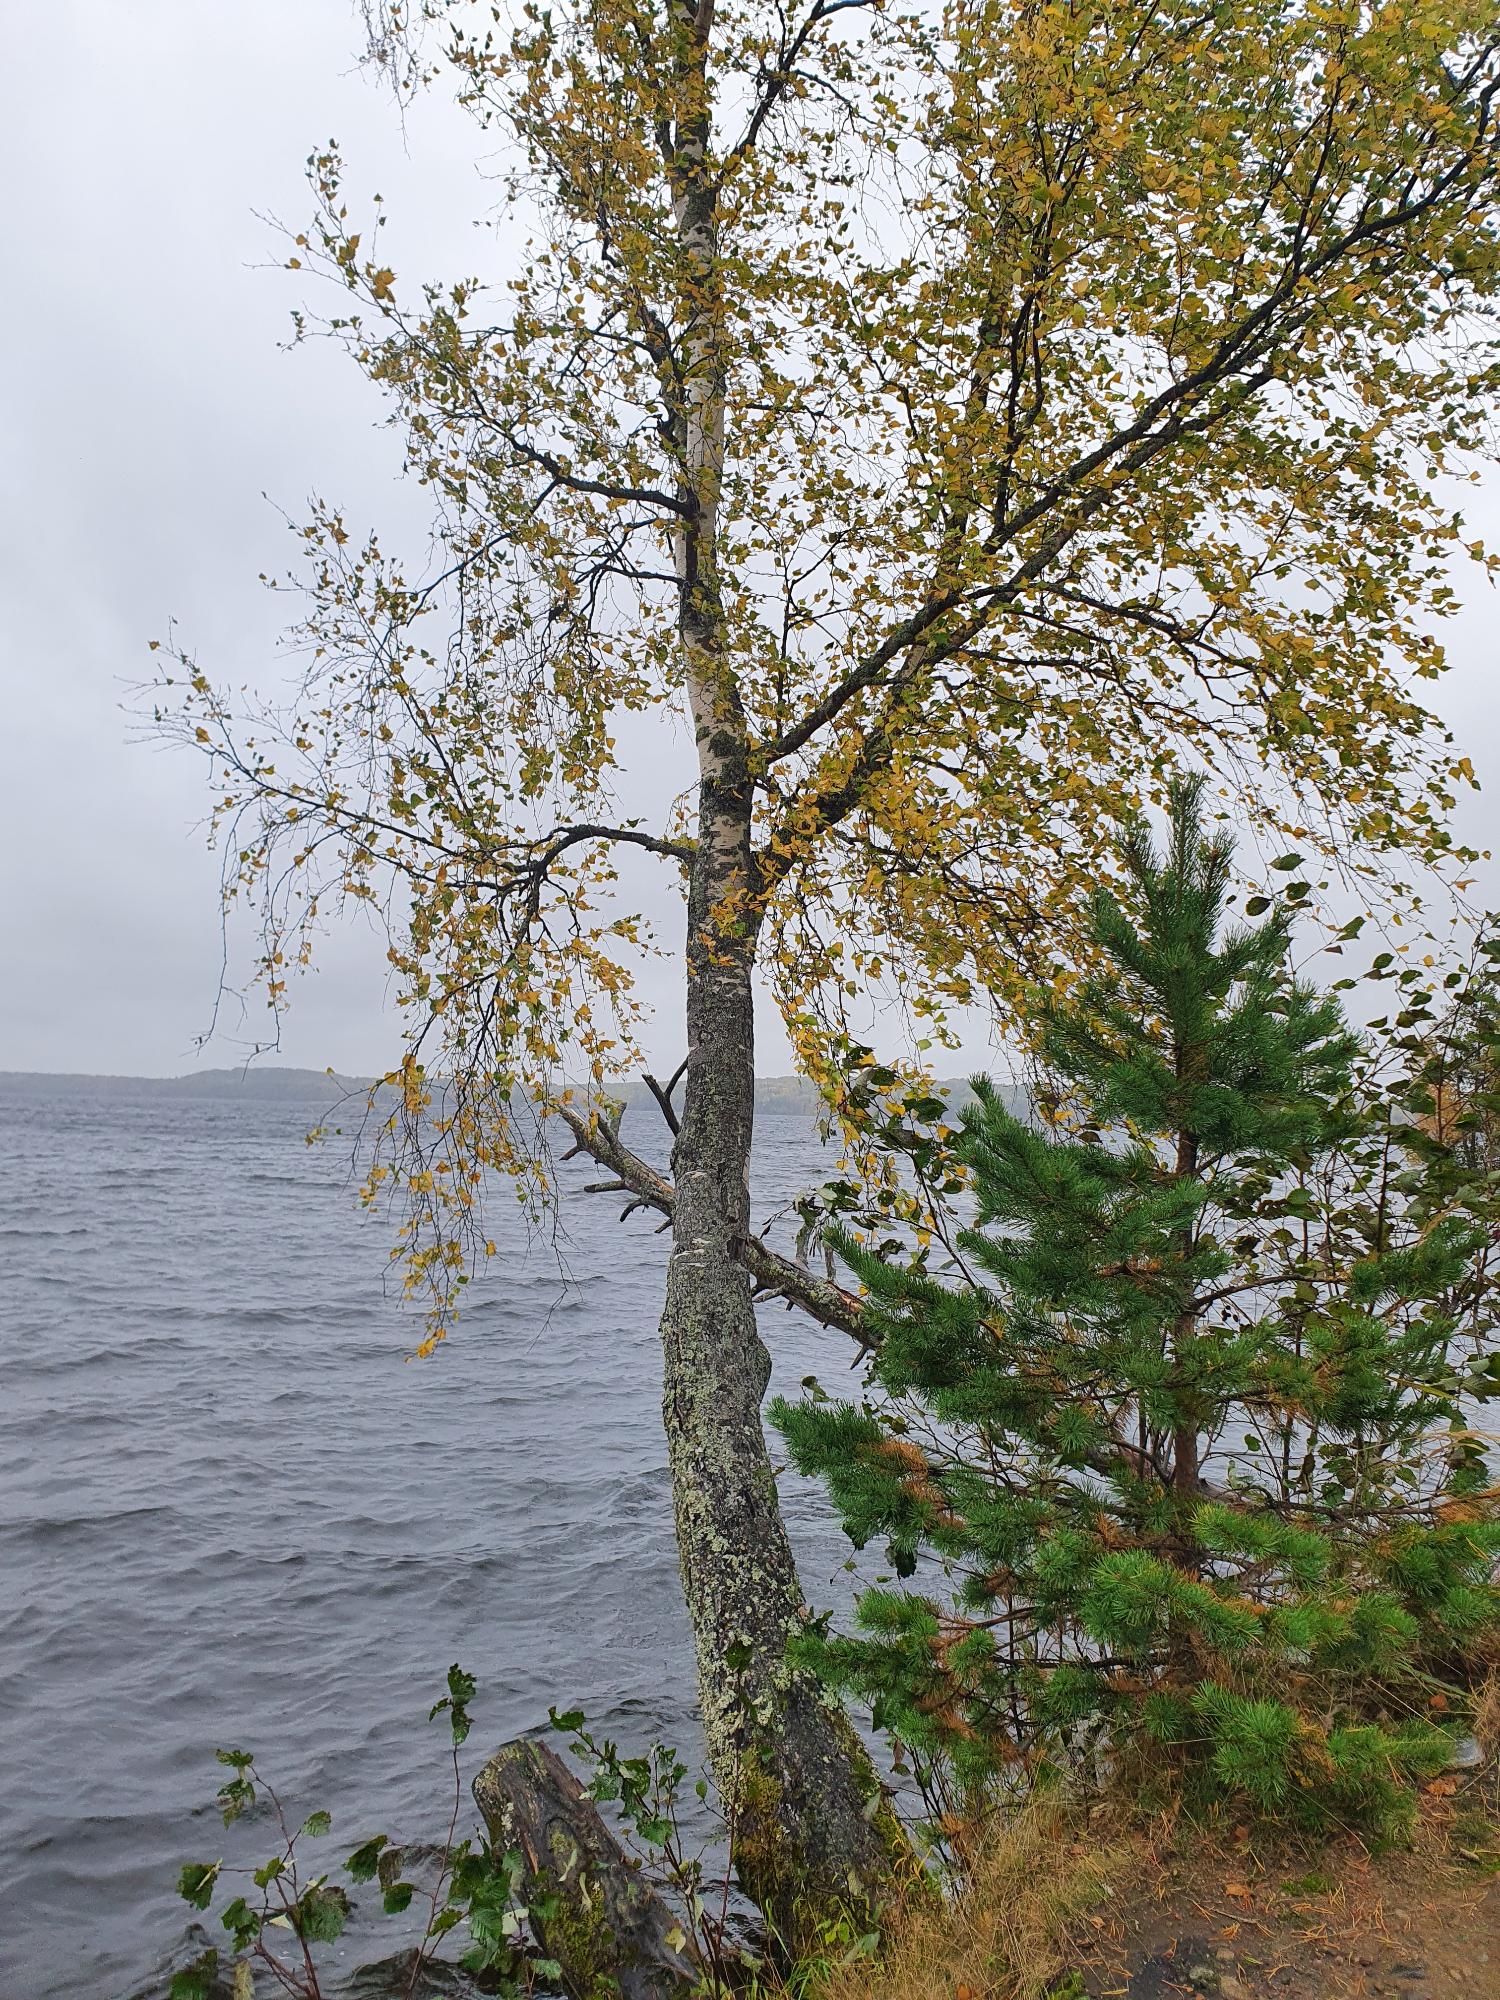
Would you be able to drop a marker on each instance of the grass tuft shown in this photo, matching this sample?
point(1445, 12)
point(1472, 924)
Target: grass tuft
point(1487, 1715)
point(1006, 1937)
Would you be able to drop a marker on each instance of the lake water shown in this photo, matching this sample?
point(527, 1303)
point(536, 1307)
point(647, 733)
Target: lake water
point(231, 1511)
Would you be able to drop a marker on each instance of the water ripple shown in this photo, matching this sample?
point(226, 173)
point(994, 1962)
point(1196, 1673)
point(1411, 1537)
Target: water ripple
point(233, 1510)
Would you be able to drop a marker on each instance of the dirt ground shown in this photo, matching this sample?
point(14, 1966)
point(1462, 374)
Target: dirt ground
point(1235, 1923)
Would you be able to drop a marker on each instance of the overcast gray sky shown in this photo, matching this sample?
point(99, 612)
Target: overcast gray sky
point(149, 410)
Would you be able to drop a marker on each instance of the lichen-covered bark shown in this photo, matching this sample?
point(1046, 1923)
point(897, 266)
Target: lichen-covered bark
point(809, 1835)
point(800, 1789)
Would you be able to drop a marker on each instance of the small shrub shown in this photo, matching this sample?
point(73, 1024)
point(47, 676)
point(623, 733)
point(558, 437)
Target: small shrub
point(288, 1906)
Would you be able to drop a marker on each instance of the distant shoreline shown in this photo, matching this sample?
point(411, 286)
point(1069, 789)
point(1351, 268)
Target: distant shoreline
point(264, 1080)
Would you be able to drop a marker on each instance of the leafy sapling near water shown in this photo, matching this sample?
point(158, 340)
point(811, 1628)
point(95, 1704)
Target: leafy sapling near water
point(646, 1793)
point(289, 1907)
point(1187, 1432)
point(284, 1896)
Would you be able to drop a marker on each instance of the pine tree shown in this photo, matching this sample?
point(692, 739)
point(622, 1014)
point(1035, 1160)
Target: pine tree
point(1186, 1433)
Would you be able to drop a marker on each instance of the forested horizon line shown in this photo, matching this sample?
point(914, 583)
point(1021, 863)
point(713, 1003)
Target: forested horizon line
point(786, 1092)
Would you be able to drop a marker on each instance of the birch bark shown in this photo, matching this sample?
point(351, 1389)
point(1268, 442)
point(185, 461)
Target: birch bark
point(809, 1832)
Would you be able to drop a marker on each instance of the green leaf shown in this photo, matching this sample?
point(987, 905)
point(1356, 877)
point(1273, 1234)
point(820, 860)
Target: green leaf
point(322, 1913)
point(461, 1688)
point(1286, 862)
point(365, 1859)
point(243, 1922)
point(235, 1798)
point(570, 1719)
point(397, 1897)
point(238, 1760)
point(195, 1981)
point(1257, 906)
point(316, 1825)
point(195, 1884)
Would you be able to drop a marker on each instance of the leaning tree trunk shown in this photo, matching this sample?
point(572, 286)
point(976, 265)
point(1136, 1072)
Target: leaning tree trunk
point(811, 1832)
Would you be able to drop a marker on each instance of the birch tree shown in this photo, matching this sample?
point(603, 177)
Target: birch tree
point(961, 419)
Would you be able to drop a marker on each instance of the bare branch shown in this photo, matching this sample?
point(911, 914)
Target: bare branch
point(663, 1096)
point(830, 1304)
point(784, 74)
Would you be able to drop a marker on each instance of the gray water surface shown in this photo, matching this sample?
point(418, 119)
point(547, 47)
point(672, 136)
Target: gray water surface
point(232, 1511)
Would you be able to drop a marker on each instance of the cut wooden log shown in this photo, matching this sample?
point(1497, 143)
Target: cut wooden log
point(613, 1935)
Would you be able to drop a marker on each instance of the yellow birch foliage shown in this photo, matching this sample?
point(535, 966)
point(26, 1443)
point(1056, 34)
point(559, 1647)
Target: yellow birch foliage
point(1089, 380)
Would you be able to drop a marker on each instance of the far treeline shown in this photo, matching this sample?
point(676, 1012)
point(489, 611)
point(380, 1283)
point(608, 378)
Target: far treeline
point(900, 450)
point(260, 1078)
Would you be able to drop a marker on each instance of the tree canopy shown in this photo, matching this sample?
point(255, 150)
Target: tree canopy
point(1066, 392)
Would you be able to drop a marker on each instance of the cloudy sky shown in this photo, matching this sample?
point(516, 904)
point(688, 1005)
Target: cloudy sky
point(156, 428)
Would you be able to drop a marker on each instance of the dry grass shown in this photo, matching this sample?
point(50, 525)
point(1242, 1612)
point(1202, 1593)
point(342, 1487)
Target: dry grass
point(1035, 1881)
point(1487, 1715)
point(1055, 1896)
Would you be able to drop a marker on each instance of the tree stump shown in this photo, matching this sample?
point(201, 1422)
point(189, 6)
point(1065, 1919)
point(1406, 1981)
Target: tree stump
point(613, 1935)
